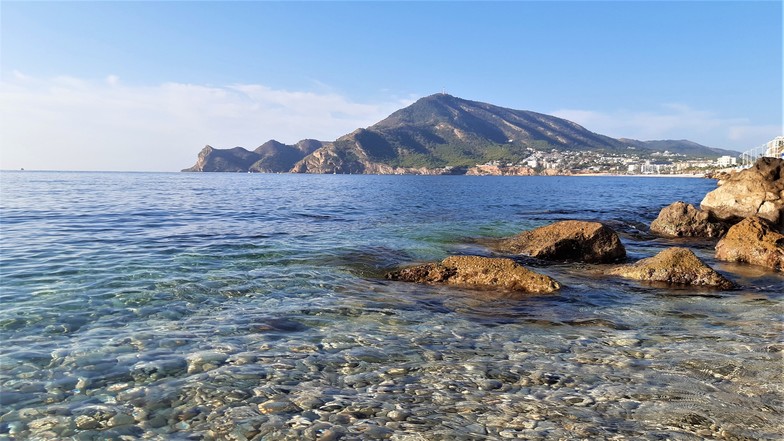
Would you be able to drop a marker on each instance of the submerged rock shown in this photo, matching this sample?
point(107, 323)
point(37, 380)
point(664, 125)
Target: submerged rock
point(754, 240)
point(568, 240)
point(680, 219)
point(758, 190)
point(674, 265)
point(478, 271)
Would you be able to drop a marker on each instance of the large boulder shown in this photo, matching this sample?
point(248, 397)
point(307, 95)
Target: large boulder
point(676, 266)
point(758, 190)
point(567, 240)
point(475, 271)
point(754, 240)
point(680, 219)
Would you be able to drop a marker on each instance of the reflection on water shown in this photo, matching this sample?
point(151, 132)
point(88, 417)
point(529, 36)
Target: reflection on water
point(199, 306)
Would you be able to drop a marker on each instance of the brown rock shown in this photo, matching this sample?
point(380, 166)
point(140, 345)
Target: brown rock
point(680, 219)
point(674, 265)
point(568, 240)
point(475, 271)
point(758, 190)
point(754, 240)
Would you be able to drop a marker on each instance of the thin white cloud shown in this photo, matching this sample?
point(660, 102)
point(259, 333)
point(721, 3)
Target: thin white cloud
point(675, 121)
point(68, 123)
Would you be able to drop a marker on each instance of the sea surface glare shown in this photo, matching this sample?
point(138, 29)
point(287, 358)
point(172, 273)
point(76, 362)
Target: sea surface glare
point(251, 306)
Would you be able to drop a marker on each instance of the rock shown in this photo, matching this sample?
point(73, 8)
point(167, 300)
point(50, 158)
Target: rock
point(758, 190)
point(754, 240)
point(568, 240)
point(281, 406)
point(680, 219)
point(674, 265)
point(478, 271)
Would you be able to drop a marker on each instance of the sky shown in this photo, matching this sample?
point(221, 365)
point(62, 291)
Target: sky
point(144, 85)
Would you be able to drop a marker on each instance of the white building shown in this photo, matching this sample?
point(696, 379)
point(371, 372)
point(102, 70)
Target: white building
point(775, 147)
point(727, 161)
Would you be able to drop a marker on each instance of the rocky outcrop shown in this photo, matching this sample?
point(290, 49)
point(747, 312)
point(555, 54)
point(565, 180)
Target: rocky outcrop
point(675, 266)
point(475, 271)
point(754, 240)
point(569, 241)
point(756, 191)
point(680, 219)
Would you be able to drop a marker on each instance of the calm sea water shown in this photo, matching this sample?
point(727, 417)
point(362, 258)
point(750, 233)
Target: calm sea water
point(250, 306)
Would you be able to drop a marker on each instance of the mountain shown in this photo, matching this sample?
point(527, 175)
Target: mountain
point(437, 134)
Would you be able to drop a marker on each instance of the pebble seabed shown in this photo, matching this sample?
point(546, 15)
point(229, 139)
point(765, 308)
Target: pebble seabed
point(428, 363)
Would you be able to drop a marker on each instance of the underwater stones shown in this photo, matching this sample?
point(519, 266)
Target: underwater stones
point(676, 266)
point(754, 240)
point(570, 240)
point(158, 368)
point(475, 271)
point(758, 190)
point(203, 361)
point(680, 219)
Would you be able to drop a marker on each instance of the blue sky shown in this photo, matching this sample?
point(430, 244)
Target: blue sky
point(145, 85)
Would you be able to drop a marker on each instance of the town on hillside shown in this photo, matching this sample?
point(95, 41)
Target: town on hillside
point(634, 163)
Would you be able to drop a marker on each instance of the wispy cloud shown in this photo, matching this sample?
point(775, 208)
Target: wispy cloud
point(675, 121)
point(73, 123)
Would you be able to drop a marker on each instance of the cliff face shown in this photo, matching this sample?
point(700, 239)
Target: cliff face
point(437, 134)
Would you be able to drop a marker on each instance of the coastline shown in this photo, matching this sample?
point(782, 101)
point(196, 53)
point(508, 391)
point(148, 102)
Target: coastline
point(673, 175)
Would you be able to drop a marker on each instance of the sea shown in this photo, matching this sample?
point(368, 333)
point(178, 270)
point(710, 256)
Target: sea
point(236, 306)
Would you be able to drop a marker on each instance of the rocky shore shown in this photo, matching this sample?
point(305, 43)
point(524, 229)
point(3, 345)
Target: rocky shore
point(745, 214)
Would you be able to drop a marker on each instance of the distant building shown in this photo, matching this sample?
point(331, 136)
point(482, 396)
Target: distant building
point(775, 147)
point(727, 161)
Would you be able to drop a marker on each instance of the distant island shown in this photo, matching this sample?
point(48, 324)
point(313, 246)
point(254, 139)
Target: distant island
point(442, 134)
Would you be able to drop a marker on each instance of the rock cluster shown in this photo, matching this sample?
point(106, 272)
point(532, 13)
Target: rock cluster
point(754, 240)
point(475, 271)
point(570, 240)
point(675, 266)
point(758, 190)
point(752, 199)
point(680, 219)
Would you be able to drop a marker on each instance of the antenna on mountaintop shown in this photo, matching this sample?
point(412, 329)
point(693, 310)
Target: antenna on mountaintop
point(443, 91)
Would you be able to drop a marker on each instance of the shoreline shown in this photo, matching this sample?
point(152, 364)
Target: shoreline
point(673, 175)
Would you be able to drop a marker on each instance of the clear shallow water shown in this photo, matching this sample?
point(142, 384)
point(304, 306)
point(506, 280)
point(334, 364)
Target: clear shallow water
point(246, 306)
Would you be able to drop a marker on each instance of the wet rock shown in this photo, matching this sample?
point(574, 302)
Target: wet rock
point(475, 271)
point(275, 407)
point(758, 190)
point(674, 265)
point(86, 422)
point(680, 219)
point(568, 240)
point(203, 361)
point(754, 240)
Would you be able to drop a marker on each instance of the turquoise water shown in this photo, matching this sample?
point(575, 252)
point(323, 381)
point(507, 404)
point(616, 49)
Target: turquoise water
point(250, 306)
